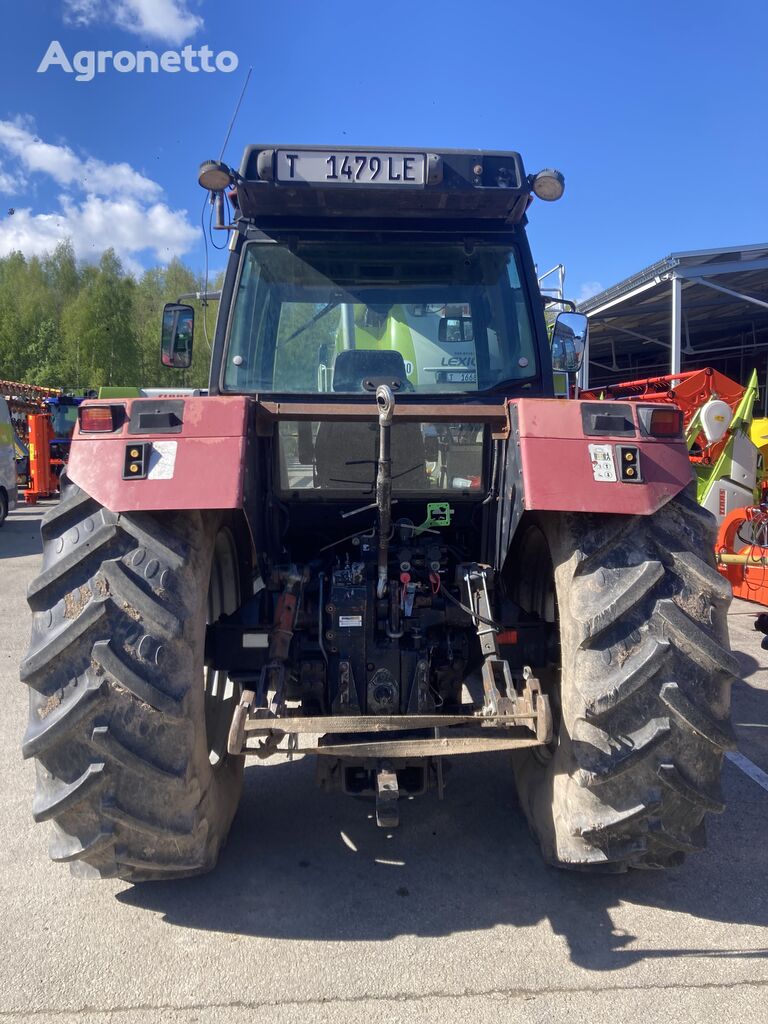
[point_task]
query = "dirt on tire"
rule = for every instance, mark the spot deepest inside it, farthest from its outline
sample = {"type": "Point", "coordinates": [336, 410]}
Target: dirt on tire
{"type": "Point", "coordinates": [644, 692]}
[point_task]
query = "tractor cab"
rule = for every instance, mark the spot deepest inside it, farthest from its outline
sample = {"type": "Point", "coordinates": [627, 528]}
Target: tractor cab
{"type": "Point", "coordinates": [63, 412]}
{"type": "Point", "coordinates": [329, 316]}
{"type": "Point", "coordinates": [351, 271]}
{"type": "Point", "coordinates": [360, 266]}
{"type": "Point", "coordinates": [350, 267]}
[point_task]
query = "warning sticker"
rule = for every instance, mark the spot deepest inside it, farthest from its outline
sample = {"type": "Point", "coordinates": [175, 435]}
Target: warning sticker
{"type": "Point", "coordinates": [350, 621]}
{"type": "Point", "coordinates": [162, 460]}
{"type": "Point", "coordinates": [603, 464]}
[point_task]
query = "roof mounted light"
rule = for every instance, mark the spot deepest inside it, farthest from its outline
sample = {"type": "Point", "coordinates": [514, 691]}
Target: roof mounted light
{"type": "Point", "coordinates": [215, 176]}
{"type": "Point", "coordinates": [547, 184]}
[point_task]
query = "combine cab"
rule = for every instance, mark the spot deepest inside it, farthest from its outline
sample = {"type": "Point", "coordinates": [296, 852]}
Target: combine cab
{"type": "Point", "coordinates": [379, 540]}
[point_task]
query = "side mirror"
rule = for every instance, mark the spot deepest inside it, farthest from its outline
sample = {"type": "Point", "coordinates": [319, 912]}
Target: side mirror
{"type": "Point", "coordinates": [455, 328]}
{"type": "Point", "coordinates": [569, 342]}
{"type": "Point", "coordinates": [177, 335]}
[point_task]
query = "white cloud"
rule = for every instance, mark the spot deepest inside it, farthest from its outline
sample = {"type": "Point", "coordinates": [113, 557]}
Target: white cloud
{"type": "Point", "coordinates": [68, 169]}
{"type": "Point", "coordinates": [8, 184]}
{"type": "Point", "coordinates": [168, 20]}
{"type": "Point", "coordinates": [588, 289]}
{"type": "Point", "coordinates": [95, 224]}
{"type": "Point", "coordinates": [103, 205]}
{"type": "Point", "coordinates": [80, 12]}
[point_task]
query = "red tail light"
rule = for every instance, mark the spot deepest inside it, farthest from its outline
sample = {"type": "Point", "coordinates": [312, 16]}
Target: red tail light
{"type": "Point", "coordinates": [100, 418]}
{"type": "Point", "coordinates": [507, 636]}
{"type": "Point", "coordinates": [663, 422]}
{"type": "Point", "coordinates": [666, 423]}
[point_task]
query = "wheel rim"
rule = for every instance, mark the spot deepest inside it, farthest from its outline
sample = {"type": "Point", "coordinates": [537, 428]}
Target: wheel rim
{"type": "Point", "coordinates": [220, 692]}
{"type": "Point", "coordinates": [535, 592]}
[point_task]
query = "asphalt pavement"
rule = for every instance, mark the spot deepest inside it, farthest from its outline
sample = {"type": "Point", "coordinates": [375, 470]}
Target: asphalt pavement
{"type": "Point", "coordinates": [314, 914]}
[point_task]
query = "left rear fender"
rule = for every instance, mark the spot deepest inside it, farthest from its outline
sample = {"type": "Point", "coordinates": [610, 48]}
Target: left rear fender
{"type": "Point", "coordinates": [195, 464]}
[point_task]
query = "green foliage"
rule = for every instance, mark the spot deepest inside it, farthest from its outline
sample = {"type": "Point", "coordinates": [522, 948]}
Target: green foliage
{"type": "Point", "coordinates": [297, 358]}
{"type": "Point", "coordinates": [70, 325]}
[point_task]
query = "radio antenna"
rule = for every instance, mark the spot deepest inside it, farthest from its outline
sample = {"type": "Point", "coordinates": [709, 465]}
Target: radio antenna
{"type": "Point", "coordinates": [237, 110]}
{"type": "Point", "coordinates": [204, 301]}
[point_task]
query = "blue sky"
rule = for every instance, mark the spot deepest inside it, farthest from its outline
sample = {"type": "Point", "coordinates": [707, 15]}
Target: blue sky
{"type": "Point", "coordinates": [655, 112]}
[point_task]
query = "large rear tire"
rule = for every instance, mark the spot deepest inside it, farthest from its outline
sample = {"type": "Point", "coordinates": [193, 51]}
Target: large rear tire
{"type": "Point", "coordinates": [642, 697]}
{"type": "Point", "coordinates": [125, 721]}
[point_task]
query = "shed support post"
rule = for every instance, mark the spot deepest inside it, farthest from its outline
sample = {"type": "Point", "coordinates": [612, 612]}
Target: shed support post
{"type": "Point", "coordinates": [677, 325]}
{"type": "Point", "coordinates": [584, 372]}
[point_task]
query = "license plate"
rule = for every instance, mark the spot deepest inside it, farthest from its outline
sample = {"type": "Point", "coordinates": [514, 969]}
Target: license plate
{"type": "Point", "coordinates": [339, 167]}
{"type": "Point", "coordinates": [460, 377]}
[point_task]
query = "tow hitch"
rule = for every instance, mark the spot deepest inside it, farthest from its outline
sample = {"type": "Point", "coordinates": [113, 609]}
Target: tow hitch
{"type": "Point", "coordinates": [515, 713]}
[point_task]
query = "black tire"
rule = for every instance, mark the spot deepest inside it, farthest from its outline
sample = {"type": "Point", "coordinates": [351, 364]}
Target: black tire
{"type": "Point", "coordinates": [641, 705]}
{"type": "Point", "coordinates": [136, 782]}
{"type": "Point", "coordinates": [3, 506]}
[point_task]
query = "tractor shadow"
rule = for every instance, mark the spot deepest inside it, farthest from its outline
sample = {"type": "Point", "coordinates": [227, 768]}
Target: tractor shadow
{"type": "Point", "coordinates": [20, 533]}
{"type": "Point", "coordinates": [301, 864]}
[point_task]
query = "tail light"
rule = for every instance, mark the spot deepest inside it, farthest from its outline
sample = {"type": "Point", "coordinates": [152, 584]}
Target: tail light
{"type": "Point", "coordinates": [507, 636]}
{"type": "Point", "coordinates": [100, 418]}
{"type": "Point", "coordinates": [664, 422]}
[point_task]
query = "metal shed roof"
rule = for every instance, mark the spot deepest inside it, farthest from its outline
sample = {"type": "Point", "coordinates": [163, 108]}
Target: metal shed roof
{"type": "Point", "coordinates": [690, 309]}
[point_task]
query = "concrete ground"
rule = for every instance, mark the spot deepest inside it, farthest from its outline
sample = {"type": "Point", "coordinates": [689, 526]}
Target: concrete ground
{"type": "Point", "coordinates": [314, 914]}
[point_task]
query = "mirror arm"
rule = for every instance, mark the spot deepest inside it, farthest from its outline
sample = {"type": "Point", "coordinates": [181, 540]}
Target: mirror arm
{"type": "Point", "coordinates": [547, 299]}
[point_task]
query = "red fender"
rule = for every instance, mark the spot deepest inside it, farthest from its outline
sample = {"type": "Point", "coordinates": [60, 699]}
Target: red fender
{"type": "Point", "coordinates": [204, 467]}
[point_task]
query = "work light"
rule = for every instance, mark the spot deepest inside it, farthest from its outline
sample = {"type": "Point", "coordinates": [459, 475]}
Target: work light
{"type": "Point", "coordinates": [548, 184]}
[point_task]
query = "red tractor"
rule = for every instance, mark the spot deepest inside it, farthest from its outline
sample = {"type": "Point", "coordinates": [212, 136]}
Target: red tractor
{"type": "Point", "coordinates": [380, 540]}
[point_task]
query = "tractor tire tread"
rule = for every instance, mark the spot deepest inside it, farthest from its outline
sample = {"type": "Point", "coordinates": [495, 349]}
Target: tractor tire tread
{"type": "Point", "coordinates": [646, 675]}
{"type": "Point", "coordinates": [123, 774]}
{"type": "Point", "coordinates": [127, 677]}
{"type": "Point", "coordinates": [49, 579]}
{"type": "Point", "coordinates": [53, 796]}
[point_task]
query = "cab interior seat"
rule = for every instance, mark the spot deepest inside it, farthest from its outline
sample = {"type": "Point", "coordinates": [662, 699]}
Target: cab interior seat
{"type": "Point", "coordinates": [346, 452]}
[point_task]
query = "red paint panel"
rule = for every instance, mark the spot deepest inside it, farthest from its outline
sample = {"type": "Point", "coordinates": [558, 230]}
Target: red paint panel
{"type": "Point", "coordinates": [557, 467]}
{"type": "Point", "coordinates": [208, 474]}
{"type": "Point", "coordinates": [209, 416]}
{"type": "Point", "coordinates": [557, 474]}
{"type": "Point", "coordinates": [215, 417]}
{"type": "Point", "coordinates": [208, 469]}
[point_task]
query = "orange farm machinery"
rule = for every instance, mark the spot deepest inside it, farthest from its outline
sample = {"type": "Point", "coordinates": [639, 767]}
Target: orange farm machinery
{"type": "Point", "coordinates": [730, 477]}
{"type": "Point", "coordinates": [43, 421]}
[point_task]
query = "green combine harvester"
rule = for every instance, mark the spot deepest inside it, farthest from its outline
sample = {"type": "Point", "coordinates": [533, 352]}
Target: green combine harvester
{"type": "Point", "coordinates": [718, 414]}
